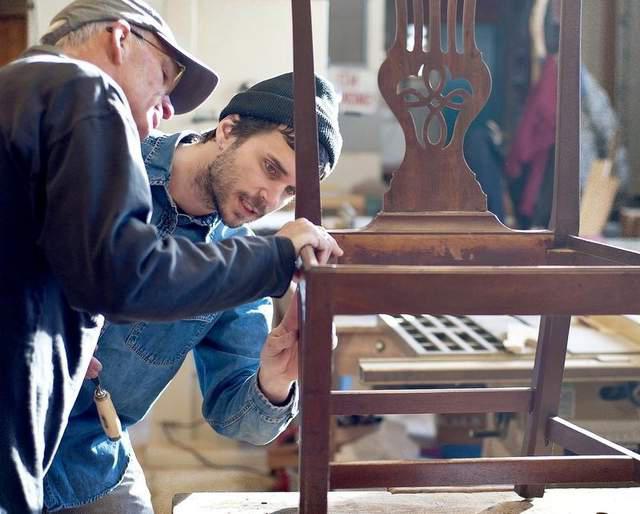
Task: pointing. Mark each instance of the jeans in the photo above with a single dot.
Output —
(131, 496)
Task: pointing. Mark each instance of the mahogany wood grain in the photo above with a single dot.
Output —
(547, 381)
(519, 248)
(305, 125)
(315, 382)
(481, 289)
(601, 250)
(443, 249)
(484, 471)
(565, 214)
(583, 442)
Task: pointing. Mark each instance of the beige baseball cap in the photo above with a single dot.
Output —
(198, 80)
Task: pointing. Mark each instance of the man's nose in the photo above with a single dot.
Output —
(268, 200)
(167, 108)
(273, 198)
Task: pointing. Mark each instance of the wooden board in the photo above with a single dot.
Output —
(565, 501)
(627, 326)
(506, 370)
(597, 198)
(583, 340)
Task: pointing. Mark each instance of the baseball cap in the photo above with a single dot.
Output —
(198, 80)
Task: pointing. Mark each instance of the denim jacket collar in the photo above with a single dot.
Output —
(158, 150)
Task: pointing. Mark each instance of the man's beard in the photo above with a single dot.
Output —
(216, 183)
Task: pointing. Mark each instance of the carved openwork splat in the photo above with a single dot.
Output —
(418, 74)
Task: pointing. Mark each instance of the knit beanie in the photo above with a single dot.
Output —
(272, 100)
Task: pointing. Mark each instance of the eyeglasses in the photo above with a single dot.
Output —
(179, 66)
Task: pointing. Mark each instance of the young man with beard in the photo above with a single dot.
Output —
(204, 188)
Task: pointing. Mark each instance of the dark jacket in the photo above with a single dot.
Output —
(74, 211)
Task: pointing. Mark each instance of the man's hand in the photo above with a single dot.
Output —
(95, 367)
(279, 356)
(303, 233)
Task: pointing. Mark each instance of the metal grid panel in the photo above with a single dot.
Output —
(428, 334)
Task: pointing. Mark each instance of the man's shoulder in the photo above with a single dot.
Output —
(51, 95)
(57, 68)
(59, 80)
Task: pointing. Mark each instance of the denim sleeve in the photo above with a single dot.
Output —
(227, 362)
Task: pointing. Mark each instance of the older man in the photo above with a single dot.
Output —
(74, 209)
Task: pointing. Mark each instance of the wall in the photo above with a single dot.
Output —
(628, 82)
(627, 76)
(592, 32)
(244, 41)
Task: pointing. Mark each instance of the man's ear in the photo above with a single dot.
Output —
(118, 32)
(224, 137)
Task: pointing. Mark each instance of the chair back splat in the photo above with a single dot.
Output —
(415, 81)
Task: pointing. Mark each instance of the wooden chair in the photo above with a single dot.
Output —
(435, 249)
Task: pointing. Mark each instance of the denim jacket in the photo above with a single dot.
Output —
(140, 359)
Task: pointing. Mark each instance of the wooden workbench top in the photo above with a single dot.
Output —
(556, 501)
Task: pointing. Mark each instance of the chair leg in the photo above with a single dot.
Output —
(315, 383)
(546, 382)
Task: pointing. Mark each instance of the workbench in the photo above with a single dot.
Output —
(370, 354)
(374, 353)
(452, 501)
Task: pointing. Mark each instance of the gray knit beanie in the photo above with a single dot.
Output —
(272, 100)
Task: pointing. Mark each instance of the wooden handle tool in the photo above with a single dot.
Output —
(107, 412)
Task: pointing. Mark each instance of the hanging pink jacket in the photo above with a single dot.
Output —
(535, 135)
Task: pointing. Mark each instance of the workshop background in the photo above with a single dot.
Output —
(249, 40)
